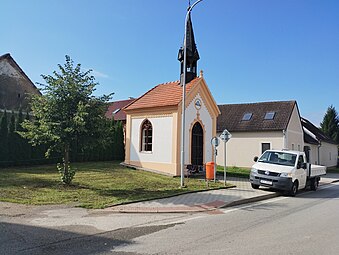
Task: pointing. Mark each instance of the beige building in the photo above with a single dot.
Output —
(256, 127)
(154, 120)
(153, 127)
(319, 148)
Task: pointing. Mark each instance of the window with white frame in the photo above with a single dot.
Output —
(146, 136)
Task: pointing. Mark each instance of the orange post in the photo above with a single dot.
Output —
(210, 170)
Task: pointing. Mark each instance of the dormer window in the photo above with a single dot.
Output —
(269, 115)
(247, 116)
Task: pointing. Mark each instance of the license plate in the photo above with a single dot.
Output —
(266, 182)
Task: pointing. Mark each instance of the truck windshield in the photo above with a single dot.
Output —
(278, 158)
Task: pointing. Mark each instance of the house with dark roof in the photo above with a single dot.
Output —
(154, 120)
(319, 148)
(256, 127)
(115, 110)
(14, 85)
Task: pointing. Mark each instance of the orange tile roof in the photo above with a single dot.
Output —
(165, 94)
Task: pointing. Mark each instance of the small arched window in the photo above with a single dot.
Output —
(146, 136)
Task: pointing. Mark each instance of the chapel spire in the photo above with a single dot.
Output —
(192, 55)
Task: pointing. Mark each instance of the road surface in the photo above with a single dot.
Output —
(305, 224)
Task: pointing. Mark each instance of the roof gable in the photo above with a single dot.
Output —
(14, 85)
(7, 57)
(314, 135)
(232, 115)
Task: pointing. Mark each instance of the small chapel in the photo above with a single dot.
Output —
(154, 120)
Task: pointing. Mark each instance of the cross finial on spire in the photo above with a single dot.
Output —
(189, 3)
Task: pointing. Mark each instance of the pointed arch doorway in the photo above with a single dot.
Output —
(197, 146)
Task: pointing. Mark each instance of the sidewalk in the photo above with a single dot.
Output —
(208, 200)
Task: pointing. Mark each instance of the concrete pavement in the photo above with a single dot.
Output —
(208, 201)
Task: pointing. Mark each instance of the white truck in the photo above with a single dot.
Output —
(286, 171)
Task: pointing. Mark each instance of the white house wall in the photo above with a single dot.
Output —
(162, 140)
(206, 119)
(328, 154)
(244, 146)
(313, 153)
(294, 133)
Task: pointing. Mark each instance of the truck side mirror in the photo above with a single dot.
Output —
(301, 165)
(255, 159)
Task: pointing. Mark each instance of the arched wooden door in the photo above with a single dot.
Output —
(197, 147)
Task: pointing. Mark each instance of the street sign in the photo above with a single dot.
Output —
(225, 135)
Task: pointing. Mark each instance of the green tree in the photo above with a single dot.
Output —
(4, 137)
(12, 139)
(330, 123)
(19, 120)
(119, 141)
(66, 111)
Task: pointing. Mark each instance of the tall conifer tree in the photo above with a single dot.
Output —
(330, 124)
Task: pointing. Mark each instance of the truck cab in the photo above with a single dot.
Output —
(286, 171)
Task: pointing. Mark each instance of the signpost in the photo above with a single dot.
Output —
(215, 144)
(225, 136)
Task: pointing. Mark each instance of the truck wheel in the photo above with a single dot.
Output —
(314, 184)
(294, 189)
(255, 186)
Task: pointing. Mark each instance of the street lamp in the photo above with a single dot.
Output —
(182, 184)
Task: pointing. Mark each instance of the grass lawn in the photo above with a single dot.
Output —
(234, 171)
(333, 170)
(95, 185)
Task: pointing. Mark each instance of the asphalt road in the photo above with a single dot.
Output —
(306, 224)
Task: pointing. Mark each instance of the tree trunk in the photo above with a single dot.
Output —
(66, 159)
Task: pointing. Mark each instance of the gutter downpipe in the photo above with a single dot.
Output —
(319, 145)
(284, 137)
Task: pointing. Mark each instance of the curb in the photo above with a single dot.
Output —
(250, 200)
(169, 196)
(197, 208)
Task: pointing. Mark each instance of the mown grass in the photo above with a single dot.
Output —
(96, 185)
(333, 170)
(234, 171)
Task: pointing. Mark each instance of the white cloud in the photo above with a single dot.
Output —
(98, 74)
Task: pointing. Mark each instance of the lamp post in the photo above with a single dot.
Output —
(182, 184)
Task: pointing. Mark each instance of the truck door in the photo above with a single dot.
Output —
(301, 172)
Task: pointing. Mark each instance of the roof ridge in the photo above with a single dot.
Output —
(7, 55)
(168, 82)
(111, 102)
(256, 103)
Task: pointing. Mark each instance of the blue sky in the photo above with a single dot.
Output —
(250, 50)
